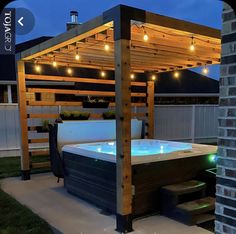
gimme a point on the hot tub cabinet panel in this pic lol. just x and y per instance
(94, 180)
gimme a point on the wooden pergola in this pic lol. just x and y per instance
(125, 40)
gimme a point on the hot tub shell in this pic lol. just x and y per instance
(94, 179)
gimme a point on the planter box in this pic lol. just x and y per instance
(40, 129)
(95, 104)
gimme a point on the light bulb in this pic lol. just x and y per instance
(176, 74)
(106, 47)
(205, 70)
(37, 68)
(154, 77)
(145, 37)
(54, 63)
(103, 73)
(132, 76)
(77, 57)
(69, 71)
(192, 47)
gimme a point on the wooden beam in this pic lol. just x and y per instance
(150, 102)
(78, 33)
(40, 165)
(39, 153)
(39, 140)
(25, 161)
(123, 128)
(76, 79)
(43, 116)
(79, 92)
(181, 25)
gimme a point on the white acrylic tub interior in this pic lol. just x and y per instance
(142, 150)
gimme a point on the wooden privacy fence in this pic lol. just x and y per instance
(28, 120)
(199, 125)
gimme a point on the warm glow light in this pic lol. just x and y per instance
(205, 70)
(154, 77)
(176, 74)
(54, 63)
(103, 73)
(77, 57)
(106, 47)
(37, 68)
(192, 47)
(145, 37)
(69, 71)
(132, 76)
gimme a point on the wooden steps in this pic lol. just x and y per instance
(185, 187)
(186, 202)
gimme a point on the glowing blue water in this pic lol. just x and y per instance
(138, 148)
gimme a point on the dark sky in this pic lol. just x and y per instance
(51, 15)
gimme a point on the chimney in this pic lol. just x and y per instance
(74, 20)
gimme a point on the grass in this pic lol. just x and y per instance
(18, 219)
(10, 167)
(14, 217)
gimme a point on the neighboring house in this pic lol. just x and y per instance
(8, 85)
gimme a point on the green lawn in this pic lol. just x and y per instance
(11, 166)
(14, 217)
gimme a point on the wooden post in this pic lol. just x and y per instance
(123, 136)
(25, 162)
(150, 102)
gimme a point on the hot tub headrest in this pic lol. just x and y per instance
(73, 132)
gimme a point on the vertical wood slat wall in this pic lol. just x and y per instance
(24, 90)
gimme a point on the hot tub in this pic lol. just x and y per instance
(90, 170)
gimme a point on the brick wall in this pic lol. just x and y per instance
(226, 169)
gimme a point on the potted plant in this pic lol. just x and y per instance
(95, 103)
(66, 115)
(77, 115)
(44, 127)
(109, 115)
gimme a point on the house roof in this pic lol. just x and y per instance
(188, 82)
(7, 64)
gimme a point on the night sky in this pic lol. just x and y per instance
(51, 15)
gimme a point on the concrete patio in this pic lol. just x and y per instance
(68, 214)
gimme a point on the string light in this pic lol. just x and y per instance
(77, 57)
(145, 36)
(106, 47)
(205, 70)
(69, 70)
(54, 63)
(176, 74)
(192, 46)
(154, 77)
(37, 68)
(132, 76)
(103, 73)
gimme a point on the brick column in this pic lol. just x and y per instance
(226, 168)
